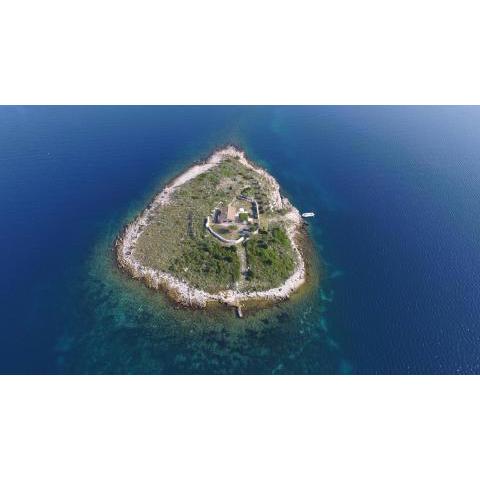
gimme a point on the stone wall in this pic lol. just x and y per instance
(222, 239)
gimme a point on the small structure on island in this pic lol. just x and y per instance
(231, 213)
(225, 214)
(220, 215)
(234, 223)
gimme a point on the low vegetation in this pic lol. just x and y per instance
(207, 264)
(270, 258)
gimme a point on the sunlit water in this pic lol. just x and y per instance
(395, 240)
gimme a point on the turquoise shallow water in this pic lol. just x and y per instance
(396, 195)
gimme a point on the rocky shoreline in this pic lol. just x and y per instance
(180, 290)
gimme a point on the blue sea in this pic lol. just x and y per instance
(396, 240)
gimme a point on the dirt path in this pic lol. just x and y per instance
(242, 256)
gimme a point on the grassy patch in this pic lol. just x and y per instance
(270, 258)
(208, 265)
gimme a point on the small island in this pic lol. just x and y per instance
(218, 233)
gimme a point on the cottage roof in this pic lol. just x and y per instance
(231, 211)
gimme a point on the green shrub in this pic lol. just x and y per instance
(271, 257)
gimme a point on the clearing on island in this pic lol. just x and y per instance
(219, 232)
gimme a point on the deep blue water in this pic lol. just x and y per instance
(397, 196)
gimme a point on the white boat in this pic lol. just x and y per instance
(308, 214)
